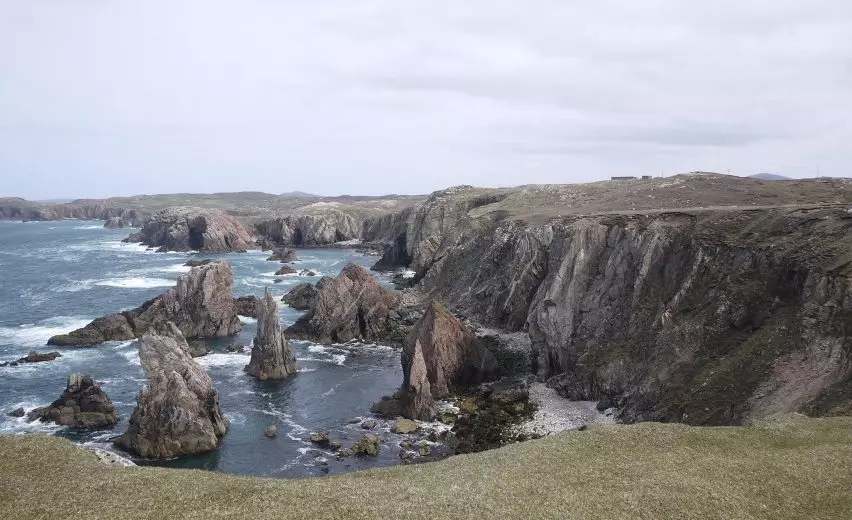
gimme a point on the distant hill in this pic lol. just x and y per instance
(297, 194)
(769, 177)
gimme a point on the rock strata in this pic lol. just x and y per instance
(193, 229)
(82, 405)
(177, 413)
(352, 306)
(271, 356)
(201, 305)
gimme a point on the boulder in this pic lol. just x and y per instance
(284, 256)
(247, 306)
(82, 405)
(35, 357)
(272, 431)
(17, 412)
(201, 305)
(301, 297)
(177, 412)
(352, 306)
(320, 438)
(404, 426)
(388, 406)
(369, 424)
(368, 444)
(285, 270)
(193, 229)
(271, 356)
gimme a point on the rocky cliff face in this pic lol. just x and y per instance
(310, 230)
(352, 306)
(177, 412)
(193, 229)
(706, 317)
(271, 356)
(201, 305)
(82, 405)
(20, 209)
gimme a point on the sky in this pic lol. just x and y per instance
(112, 97)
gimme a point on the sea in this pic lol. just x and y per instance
(57, 276)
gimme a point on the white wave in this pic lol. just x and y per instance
(87, 227)
(176, 268)
(77, 285)
(252, 281)
(222, 360)
(136, 283)
(132, 357)
(37, 334)
(246, 319)
(236, 418)
(337, 359)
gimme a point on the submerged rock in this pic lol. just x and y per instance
(285, 270)
(320, 438)
(32, 357)
(284, 256)
(307, 272)
(82, 405)
(301, 297)
(352, 306)
(193, 229)
(271, 356)
(272, 431)
(201, 305)
(177, 413)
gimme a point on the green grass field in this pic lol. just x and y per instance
(791, 467)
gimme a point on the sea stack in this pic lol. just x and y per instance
(82, 405)
(177, 413)
(352, 306)
(193, 229)
(271, 357)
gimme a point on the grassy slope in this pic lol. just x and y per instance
(790, 468)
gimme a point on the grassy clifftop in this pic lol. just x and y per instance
(791, 467)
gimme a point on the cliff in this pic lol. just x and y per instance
(193, 229)
(310, 230)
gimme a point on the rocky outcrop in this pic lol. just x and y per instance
(284, 255)
(301, 297)
(193, 229)
(706, 317)
(82, 405)
(416, 397)
(247, 306)
(201, 305)
(177, 413)
(32, 357)
(352, 306)
(286, 269)
(271, 356)
(117, 223)
(310, 230)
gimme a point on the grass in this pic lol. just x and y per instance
(792, 467)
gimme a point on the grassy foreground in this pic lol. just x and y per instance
(791, 467)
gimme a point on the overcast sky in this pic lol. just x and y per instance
(110, 97)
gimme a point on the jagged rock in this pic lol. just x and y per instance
(247, 306)
(33, 357)
(301, 297)
(404, 426)
(177, 413)
(193, 229)
(82, 405)
(271, 356)
(272, 431)
(285, 270)
(352, 306)
(197, 263)
(17, 412)
(368, 444)
(116, 223)
(201, 305)
(285, 256)
(310, 230)
(451, 356)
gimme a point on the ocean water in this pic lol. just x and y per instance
(58, 276)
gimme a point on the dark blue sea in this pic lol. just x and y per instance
(58, 276)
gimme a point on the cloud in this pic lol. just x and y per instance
(101, 98)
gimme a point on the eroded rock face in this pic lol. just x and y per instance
(82, 405)
(271, 356)
(352, 306)
(193, 229)
(301, 297)
(310, 230)
(247, 306)
(177, 413)
(201, 305)
(416, 400)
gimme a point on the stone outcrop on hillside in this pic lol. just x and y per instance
(193, 229)
(310, 230)
(177, 413)
(706, 317)
(201, 305)
(301, 297)
(271, 356)
(352, 306)
(82, 405)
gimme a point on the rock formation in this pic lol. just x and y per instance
(352, 306)
(201, 305)
(177, 413)
(283, 255)
(301, 297)
(82, 405)
(310, 230)
(416, 400)
(247, 306)
(271, 357)
(32, 357)
(285, 269)
(193, 229)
